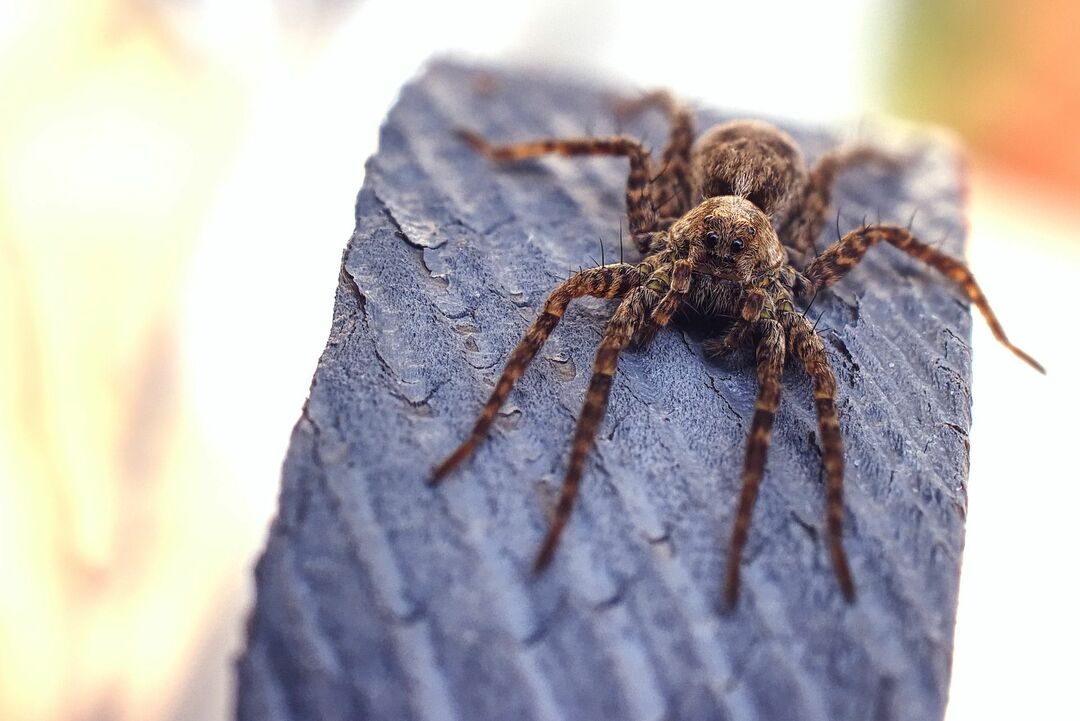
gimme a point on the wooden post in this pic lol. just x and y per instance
(381, 598)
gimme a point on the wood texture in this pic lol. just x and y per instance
(381, 598)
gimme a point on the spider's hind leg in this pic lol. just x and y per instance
(641, 207)
(609, 281)
(674, 186)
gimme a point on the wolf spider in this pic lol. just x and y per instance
(727, 259)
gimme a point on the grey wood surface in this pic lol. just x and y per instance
(381, 598)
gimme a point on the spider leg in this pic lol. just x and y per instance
(640, 197)
(610, 281)
(627, 319)
(840, 257)
(680, 285)
(802, 229)
(806, 345)
(723, 345)
(652, 242)
(658, 99)
(770, 364)
(674, 185)
(682, 270)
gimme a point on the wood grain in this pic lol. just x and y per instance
(379, 597)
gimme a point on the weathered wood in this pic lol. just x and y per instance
(382, 598)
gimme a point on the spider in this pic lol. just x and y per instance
(741, 259)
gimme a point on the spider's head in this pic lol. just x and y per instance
(738, 238)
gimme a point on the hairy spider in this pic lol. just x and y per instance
(738, 259)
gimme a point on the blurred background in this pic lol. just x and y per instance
(177, 180)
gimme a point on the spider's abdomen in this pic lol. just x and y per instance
(750, 159)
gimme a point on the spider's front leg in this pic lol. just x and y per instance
(840, 257)
(609, 281)
(630, 316)
(770, 364)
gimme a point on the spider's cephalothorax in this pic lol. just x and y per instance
(737, 258)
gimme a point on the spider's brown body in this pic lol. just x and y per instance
(737, 259)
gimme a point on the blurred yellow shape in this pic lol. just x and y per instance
(111, 142)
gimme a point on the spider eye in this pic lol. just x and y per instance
(751, 231)
(711, 239)
(737, 244)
